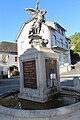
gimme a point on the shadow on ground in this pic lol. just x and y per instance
(67, 83)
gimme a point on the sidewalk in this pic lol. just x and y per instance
(74, 72)
(66, 79)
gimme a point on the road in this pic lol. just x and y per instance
(66, 79)
(9, 84)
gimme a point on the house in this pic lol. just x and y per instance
(54, 33)
(8, 57)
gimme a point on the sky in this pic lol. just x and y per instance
(13, 15)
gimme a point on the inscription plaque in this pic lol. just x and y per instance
(29, 73)
(50, 68)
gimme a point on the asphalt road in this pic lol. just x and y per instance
(13, 83)
(9, 84)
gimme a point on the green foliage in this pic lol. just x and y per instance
(77, 48)
(75, 40)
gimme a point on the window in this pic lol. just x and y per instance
(62, 33)
(23, 45)
(58, 29)
(59, 59)
(5, 58)
(61, 40)
(16, 59)
(67, 44)
(53, 40)
(65, 58)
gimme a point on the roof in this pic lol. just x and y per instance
(22, 27)
(59, 26)
(46, 23)
(8, 47)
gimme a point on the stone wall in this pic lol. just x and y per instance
(71, 112)
(65, 69)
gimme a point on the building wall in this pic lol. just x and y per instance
(7, 60)
(64, 54)
(11, 60)
(23, 40)
(64, 50)
(49, 34)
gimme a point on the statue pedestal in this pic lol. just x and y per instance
(39, 76)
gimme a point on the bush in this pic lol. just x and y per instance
(77, 48)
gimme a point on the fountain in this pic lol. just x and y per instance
(39, 76)
(40, 96)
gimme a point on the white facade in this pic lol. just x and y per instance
(51, 31)
(7, 60)
(8, 57)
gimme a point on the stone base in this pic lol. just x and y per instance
(36, 84)
(71, 112)
(50, 93)
(76, 82)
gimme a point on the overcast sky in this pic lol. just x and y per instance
(13, 15)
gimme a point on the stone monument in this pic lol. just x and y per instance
(39, 69)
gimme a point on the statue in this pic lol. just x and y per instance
(34, 32)
(38, 17)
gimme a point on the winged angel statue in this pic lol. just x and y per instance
(38, 17)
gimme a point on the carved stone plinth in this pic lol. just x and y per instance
(36, 66)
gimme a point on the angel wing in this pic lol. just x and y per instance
(30, 10)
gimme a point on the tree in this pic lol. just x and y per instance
(75, 40)
(77, 48)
